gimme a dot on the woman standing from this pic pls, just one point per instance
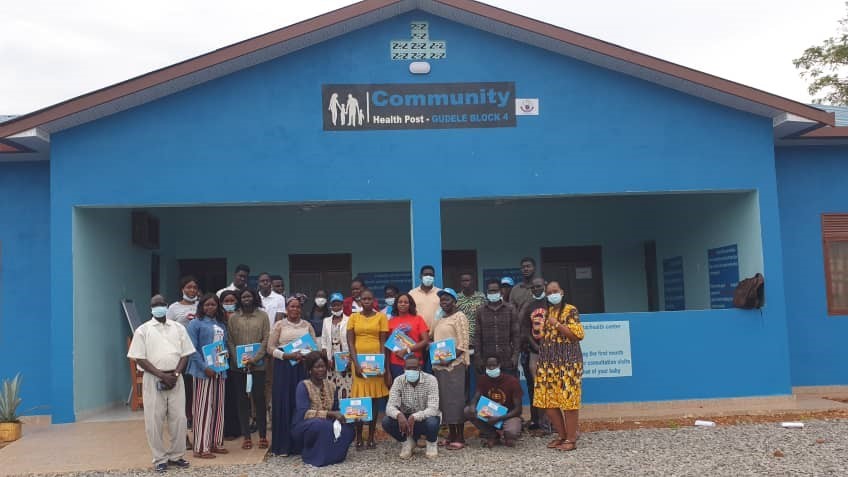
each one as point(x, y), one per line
point(183, 312)
point(232, 427)
point(320, 310)
point(366, 334)
point(209, 385)
point(451, 375)
point(405, 318)
point(249, 325)
point(558, 386)
point(334, 340)
point(315, 415)
point(286, 376)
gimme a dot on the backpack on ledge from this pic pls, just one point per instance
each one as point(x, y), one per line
point(749, 293)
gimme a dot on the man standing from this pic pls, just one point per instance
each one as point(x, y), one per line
point(498, 331)
point(426, 296)
point(504, 390)
point(521, 294)
point(413, 409)
point(390, 294)
point(239, 279)
point(506, 287)
point(161, 347)
point(469, 302)
point(278, 285)
point(272, 302)
point(534, 310)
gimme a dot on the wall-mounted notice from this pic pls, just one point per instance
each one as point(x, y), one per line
point(606, 349)
point(376, 281)
point(724, 275)
point(498, 273)
point(673, 284)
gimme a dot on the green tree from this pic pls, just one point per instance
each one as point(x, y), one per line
point(824, 66)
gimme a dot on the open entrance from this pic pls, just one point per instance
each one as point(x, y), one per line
point(456, 263)
point(316, 245)
point(616, 253)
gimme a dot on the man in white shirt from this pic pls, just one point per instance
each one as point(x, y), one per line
point(161, 347)
point(273, 303)
point(239, 279)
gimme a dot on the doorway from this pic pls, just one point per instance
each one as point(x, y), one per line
point(309, 273)
point(579, 273)
point(211, 273)
point(457, 262)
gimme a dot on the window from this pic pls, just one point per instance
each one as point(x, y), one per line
point(835, 244)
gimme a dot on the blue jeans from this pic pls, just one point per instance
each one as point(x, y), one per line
point(429, 428)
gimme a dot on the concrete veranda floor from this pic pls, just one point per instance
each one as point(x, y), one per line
point(115, 440)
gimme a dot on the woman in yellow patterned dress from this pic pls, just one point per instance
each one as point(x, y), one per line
point(558, 377)
point(367, 331)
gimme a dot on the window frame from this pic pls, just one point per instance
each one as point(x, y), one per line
point(834, 229)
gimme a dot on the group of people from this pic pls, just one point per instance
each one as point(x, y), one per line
point(528, 324)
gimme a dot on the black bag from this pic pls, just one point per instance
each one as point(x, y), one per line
point(749, 293)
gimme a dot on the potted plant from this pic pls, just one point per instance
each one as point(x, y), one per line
point(10, 399)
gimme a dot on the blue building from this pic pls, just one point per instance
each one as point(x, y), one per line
point(391, 134)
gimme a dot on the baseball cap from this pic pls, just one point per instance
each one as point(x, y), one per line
point(447, 291)
point(507, 281)
point(336, 297)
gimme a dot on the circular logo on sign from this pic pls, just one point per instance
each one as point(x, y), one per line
point(527, 107)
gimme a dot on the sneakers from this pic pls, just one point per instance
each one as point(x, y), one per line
point(181, 463)
point(161, 468)
point(432, 450)
point(406, 449)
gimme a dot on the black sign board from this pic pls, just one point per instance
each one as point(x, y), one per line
point(362, 107)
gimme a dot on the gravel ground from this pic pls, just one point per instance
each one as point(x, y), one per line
point(818, 449)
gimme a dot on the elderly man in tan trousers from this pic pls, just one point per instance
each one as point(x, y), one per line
point(161, 347)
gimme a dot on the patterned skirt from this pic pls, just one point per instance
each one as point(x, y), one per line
point(559, 376)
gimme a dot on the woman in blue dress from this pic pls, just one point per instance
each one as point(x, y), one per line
point(315, 415)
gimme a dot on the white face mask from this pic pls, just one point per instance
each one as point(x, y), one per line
point(555, 298)
point(390, 302)
point(428, 280)
point(539, 297)
point(338, 313)
point(159, 311)
point(494, 297)
point(189, 299)
point(320, 301)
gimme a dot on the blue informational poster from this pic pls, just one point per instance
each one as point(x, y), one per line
point(246, 352)
point(443, 351)
point(372, 364)
point(356, 409)
point(487, 408)
point(723, 264)
point(216, 356)
point(673, 284)
point(304, 345)
point(498, 273)
point(377, 281)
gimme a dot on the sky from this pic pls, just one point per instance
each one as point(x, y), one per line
point(54, 50)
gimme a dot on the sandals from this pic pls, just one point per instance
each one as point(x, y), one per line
point(263, 443)
point(566, 446)
point(359, 445)
point(555, 443)
point(371, 445)
point(443, 442)
point(247, 444)
point(220, 450)
point(456, 445)
point(490, 442)
point(204, 455)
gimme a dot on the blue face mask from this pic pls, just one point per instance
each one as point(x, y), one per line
point(230, 307)
point(159, 311)
point(493, 373)
point(412, 375)
point(494, 297)
point(555, 298)
point(427, 280)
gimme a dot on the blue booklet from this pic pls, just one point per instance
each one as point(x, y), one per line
point(246, 352)
point(305, 345)
point(342, 360)
point(443, 351)
point(356, 409)
point(372, 364)
point(216, 356)
point(399, 340)
point(487, 408)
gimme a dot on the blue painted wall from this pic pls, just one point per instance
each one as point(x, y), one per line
point(812, 181)
point(25, 280)
point(256, 137)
